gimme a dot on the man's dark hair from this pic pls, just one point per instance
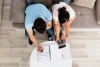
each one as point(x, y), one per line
point(63, 15)
point(40, 25)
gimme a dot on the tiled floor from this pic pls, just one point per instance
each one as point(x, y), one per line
point(15, 51)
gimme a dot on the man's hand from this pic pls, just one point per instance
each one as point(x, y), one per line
point(40, 49)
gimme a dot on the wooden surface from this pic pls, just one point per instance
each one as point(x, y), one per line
point(15, 51)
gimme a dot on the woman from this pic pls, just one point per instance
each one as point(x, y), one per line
point(63, 16)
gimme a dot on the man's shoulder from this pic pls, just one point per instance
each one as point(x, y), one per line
point(36, 5)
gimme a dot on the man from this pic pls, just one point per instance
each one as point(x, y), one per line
point(38, 17)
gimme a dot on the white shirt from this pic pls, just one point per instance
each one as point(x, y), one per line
point(59, 5)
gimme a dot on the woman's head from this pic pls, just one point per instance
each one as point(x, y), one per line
point(63, 15)
point(40, 25)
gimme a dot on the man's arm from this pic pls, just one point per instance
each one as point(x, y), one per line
point(32, 37)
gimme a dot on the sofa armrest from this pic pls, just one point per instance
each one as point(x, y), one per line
point(1, 2)
point(17, 10)
point(98, 11)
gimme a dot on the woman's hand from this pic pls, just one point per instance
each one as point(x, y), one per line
point(65, 39)
point(57, 39)
point(62, 36)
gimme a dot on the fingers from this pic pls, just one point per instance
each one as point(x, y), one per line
point(40, 49)
point(62, 36)
point(57, 41)
point(66, 39)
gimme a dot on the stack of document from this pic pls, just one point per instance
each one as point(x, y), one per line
point(45, 55)
point(50, 53)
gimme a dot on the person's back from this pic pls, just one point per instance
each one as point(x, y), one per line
point(34, 11)
point(63, 15)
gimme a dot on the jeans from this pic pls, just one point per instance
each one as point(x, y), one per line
point(29, 2)
point(48, 31)
point(26, 34)
point(57, 1)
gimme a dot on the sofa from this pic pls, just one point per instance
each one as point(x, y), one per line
point(86, 19)
point(1, 3)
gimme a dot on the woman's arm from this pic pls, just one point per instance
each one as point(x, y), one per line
point(67, 26)
point(56, 29)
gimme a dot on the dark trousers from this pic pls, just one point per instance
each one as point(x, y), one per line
point(57, 1)
point(29, 2)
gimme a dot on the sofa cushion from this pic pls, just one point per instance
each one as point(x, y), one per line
point(98, 11)
point(76, 8)
point(18, 25)
point(82, 10)
point(89, 21)
point(1, 2)
point(88, 11)
point(17, 10)
point(47, 3)
point(77, 22)
point(85, 3)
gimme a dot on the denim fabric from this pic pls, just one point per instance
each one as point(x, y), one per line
point(57, 1)
point(67, 1)
point(29, 2)
point(49, 32)
point(26, 34)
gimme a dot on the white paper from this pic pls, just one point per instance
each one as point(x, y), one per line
point(56, 54)
point(66, 52)
point(45, 55)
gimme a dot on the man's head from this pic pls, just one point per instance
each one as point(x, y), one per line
point(40, 25)
point(63, 15)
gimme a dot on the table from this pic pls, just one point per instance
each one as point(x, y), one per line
point(65, 63)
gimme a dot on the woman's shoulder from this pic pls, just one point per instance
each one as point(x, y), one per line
point(60, 4)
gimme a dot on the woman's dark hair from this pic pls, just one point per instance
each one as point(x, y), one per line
point(63, 15)
point(40, 25)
